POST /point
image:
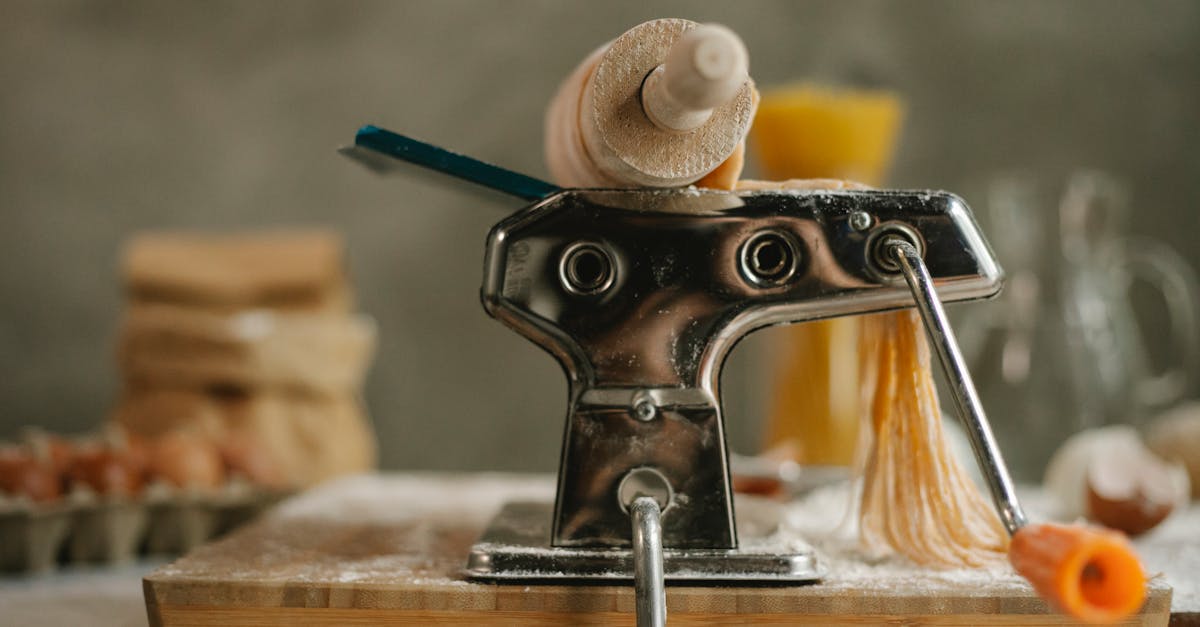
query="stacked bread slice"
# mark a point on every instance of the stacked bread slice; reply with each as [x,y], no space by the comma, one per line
[251,340]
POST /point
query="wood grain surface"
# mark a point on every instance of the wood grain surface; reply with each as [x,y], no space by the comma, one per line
[598,133]
[389,551]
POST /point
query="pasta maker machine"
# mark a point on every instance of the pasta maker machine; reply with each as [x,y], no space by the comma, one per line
[640,294]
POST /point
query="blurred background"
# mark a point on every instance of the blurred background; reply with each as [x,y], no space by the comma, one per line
[117,117]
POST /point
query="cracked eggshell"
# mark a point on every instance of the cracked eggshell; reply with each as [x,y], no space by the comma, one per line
[1133,485]
[1175,435]
[1066,474]
[1132,490]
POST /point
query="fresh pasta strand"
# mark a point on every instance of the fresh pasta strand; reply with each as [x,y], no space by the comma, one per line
[917,499]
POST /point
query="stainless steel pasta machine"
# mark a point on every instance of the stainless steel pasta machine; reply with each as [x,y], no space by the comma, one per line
[640,295]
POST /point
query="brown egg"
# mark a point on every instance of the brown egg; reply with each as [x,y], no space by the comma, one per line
[244,455]
[53,450]
[105,471]
[134,448]
[61,453]
[22,474]
[186,460]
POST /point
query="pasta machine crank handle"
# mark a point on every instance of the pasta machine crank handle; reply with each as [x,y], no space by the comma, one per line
[966,399]
[649,585]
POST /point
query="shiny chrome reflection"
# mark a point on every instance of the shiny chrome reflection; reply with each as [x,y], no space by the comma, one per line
[640,295]
[880,257]
[641,482]
[586,269]
[770,258]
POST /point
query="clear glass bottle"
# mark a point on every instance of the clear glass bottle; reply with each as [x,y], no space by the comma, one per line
[1062,349]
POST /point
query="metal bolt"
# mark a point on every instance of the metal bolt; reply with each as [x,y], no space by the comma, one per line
[644,410]
[861,220]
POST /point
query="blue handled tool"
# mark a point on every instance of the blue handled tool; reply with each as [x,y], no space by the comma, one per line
[378,149]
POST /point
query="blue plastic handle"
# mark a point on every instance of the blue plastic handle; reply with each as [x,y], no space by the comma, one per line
[397,146]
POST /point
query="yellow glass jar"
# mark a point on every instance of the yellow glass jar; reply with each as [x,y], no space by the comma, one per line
[812,131]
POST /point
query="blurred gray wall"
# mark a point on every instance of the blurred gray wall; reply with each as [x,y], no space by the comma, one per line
[120,116]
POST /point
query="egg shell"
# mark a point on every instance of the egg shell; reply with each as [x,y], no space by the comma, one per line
[187,460]
[1175,435]
[105,471]
[22,474]
[1066,474]
[243,454]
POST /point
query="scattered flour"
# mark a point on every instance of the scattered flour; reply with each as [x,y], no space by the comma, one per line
[464,499]
[825,518]
[379,531]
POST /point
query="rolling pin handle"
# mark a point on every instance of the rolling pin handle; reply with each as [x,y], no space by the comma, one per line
[704,69]
[966,399]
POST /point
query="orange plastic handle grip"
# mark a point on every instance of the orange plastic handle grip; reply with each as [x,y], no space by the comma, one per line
[1089,573]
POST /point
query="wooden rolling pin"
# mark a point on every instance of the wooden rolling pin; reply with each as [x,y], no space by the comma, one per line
[663,105]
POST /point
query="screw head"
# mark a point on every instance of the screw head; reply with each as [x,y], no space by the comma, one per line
[644,410]
[861,220]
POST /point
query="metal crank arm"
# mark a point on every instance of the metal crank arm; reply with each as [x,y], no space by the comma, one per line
[901,252]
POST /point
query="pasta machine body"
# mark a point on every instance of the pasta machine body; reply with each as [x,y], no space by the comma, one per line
[640,295]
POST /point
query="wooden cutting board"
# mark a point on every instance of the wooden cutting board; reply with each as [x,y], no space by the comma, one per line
[388,550]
